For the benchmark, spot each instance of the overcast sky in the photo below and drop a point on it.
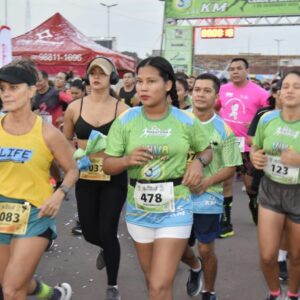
(137, 24)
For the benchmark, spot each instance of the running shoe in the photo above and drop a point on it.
(271, 297)
(283, 272)
(209, 296)
(65, 291)
(50, 246)
(194, 282)
(112, 293)
(226, 230)
(77, 230)
(100, 263)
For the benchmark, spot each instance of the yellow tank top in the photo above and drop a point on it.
(24, 165)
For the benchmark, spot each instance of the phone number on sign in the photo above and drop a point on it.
(59, 57)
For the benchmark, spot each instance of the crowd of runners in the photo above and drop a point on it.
(166, 144)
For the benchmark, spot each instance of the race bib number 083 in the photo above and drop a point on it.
(14, 217)
(155, 197)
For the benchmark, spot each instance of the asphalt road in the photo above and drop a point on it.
(73, 260)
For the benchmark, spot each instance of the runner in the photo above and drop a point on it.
(182, 89)
(100, 198)
(276, 149)
(77, 89)
(152, 141)
(127, 92)
(238, 102)
(50, 102)
(27, 202)
(208, 206)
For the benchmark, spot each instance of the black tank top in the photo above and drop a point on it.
(83, 129)
(127, 97)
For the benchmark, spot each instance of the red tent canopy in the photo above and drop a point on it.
(57, 46)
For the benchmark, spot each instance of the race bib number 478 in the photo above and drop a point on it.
(155, 197)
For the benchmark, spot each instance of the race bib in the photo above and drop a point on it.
(276, 170)
(241, 143)
(95, 171)
(14, 217)
(47, 118)
(155, 197)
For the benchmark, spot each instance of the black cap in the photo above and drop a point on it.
(16, 75)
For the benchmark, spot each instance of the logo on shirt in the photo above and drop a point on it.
(152, 170)
(15, 155)
(156, 131)
(278, 148)
(235, 108)
(287, 132)
(234, 111)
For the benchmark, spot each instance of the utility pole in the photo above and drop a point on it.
(278, 41)
(108, 15)
(28, 16)
(5, 12)
(162, 31)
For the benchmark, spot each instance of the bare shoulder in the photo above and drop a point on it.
(75, 105)
(122, 107)
(52, 135)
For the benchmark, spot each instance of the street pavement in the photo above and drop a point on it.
(73, 260)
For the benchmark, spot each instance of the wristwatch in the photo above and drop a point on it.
(64, 189)
(203, 161)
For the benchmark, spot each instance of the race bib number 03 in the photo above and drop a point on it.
(95, 171)
(14, 217)
(155, 197)
(284, 174)
(241, 143)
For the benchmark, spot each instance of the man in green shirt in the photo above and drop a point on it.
(208, 206)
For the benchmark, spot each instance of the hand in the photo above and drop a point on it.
(193, 175)
(204, 184)
(259, 159)
(290, 157)
(52, 205)
(138, 157)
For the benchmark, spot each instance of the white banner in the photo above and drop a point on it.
(5, 46)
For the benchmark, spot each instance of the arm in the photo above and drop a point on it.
(62, 152)
(258, 158)
(68, 130)
(290, 158)
(220, 176)
(250, 140)
(122, 107)
(194, 172)
(115, 165)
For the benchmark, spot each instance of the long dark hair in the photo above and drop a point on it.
(166, 72)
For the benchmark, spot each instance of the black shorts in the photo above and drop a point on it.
(247, 167)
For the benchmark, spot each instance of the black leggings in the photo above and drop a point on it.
(99, 207)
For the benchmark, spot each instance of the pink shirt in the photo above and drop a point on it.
(238, 107)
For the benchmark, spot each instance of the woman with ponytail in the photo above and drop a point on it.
(152, 141)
